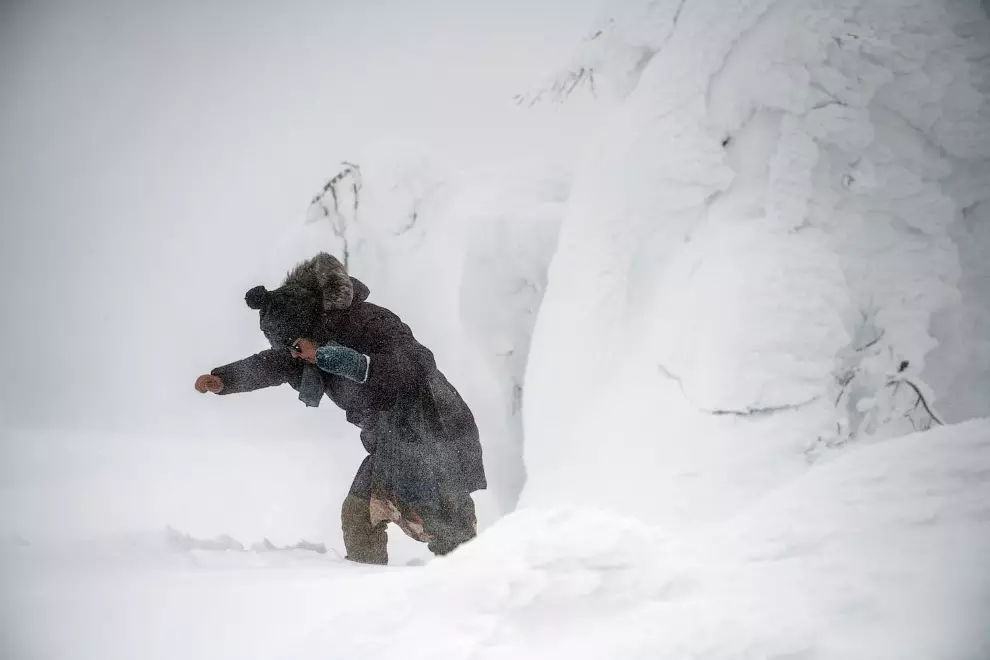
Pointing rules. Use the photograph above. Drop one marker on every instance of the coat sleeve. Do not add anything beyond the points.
(399, 365)
(265, 369)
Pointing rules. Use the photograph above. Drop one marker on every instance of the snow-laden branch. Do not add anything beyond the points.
(901, 378)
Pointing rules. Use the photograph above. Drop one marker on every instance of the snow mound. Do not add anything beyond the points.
(877, 553)
(880, 553)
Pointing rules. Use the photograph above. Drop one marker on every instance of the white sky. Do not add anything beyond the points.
(152, 151)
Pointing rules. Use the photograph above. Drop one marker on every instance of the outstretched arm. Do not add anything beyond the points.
(265, 369)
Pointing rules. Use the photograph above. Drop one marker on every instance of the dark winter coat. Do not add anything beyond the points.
(422, 436)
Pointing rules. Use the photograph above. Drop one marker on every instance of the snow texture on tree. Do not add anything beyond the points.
(775, 169)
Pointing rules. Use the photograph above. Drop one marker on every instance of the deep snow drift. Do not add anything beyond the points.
(880, 553)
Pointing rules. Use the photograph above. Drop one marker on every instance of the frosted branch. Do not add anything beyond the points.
(332, 211)
(900, 378)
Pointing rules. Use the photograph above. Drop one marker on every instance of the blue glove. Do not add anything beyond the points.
(342, 361)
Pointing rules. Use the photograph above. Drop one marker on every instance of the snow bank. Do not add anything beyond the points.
(781, 217)
(878, 554)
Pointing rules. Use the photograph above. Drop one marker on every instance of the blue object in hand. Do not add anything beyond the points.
(342, 361)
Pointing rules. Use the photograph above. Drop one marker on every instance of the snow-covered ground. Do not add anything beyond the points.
(880, 553)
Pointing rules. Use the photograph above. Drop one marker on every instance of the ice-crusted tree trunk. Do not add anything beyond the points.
(773, 169)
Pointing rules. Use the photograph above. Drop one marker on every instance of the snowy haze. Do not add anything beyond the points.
(717, 291)
(153, 155)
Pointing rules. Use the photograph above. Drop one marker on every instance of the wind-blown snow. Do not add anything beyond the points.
(712, 364)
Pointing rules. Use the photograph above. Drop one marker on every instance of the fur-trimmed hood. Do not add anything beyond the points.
(324, 274)
(313, 287)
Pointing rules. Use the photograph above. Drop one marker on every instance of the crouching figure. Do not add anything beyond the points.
(424, 454)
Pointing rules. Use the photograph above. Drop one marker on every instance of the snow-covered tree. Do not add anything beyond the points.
(771, 171)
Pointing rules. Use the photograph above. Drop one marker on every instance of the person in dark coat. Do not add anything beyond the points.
(424, 453)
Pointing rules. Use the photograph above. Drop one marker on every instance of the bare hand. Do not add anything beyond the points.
(304, 349)
(209, 383)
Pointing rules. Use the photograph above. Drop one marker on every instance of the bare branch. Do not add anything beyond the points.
(337, 219)
(897, 380)
(560, 89)
(769, 410)
(872, 342)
